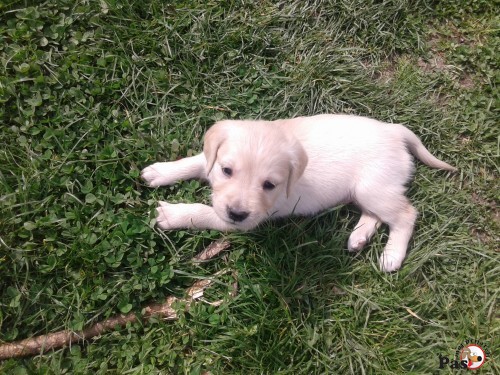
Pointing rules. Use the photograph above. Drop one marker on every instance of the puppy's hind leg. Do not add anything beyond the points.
(401, 228)
(160, 174)
(395, 210)
(363, 232)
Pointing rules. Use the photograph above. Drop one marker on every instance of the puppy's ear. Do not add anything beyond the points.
(298, 163)
(214, 138)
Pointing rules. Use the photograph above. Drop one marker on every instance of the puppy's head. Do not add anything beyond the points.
(251, 165)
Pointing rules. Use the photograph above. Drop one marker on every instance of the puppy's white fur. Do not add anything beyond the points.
(313, 163)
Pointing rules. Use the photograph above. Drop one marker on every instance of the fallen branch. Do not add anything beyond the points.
(212, 250)
(44, 343)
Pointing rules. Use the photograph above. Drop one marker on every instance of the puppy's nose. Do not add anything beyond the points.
(237, 215)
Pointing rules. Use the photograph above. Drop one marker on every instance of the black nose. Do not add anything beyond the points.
(237, 215)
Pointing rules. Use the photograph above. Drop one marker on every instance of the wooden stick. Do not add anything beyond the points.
(212, 250)
(43, 343)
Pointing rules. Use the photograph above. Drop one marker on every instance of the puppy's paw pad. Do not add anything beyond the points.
(390, 262)
(162, 216)
(150, 175)
(170, 216)
(156, 175)
(356, 244)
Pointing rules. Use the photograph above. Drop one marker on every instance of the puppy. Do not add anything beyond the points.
(270, 169)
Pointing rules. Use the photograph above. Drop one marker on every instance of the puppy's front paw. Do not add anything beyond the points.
(171, 216)
(156, 175)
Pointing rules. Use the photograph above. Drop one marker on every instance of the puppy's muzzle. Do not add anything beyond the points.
(236, 215)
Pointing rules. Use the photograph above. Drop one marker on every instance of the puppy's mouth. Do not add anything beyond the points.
(247, 224)
(238, 224)
(229, 221)
(250, 220)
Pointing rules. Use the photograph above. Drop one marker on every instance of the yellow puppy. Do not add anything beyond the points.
(264, 169)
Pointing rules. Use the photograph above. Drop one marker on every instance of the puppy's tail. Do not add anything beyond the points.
(416, 147)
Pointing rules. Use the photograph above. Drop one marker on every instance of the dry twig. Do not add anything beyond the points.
(44, 343)
(212, 250)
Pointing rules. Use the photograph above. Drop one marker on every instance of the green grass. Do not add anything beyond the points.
(93, 91)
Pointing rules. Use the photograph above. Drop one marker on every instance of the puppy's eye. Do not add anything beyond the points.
(227, 171)
(267, 185)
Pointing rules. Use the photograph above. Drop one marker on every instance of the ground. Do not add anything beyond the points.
(93, 91)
